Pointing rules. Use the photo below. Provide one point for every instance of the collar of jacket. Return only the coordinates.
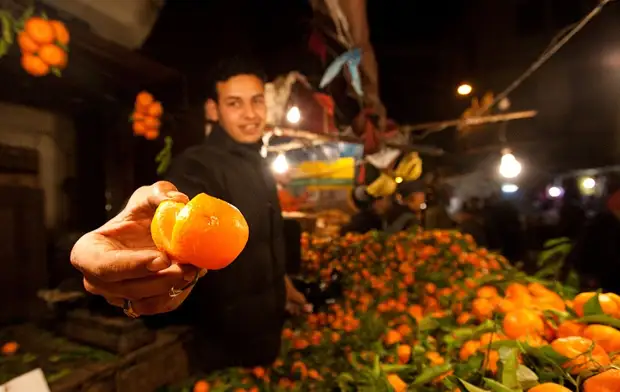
(220, 138)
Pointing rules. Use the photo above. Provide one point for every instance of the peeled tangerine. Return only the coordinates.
(206, 232)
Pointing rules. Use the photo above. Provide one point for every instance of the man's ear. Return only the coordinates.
(211, 111)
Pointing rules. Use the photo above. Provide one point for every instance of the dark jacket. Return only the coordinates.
(364, 221)
(400, 218)
(238, 311)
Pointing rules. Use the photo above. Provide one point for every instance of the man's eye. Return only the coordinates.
(259, 100)
(234, 104)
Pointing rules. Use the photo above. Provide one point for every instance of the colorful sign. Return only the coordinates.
(322, 175)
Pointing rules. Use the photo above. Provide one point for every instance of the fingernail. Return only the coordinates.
(176, 196)
(158, 264)
(189, 276)
(202, 273)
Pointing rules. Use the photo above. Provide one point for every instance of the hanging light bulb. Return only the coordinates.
(509, 166)
(293, 115)
(464, 89)
(280, 164)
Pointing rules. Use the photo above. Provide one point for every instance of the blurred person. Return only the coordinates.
(406, 210)
(596, 253)
(371, 214)
(238, 312)
(436, 215)
(469, 222)
(504, 230)
(572, 216)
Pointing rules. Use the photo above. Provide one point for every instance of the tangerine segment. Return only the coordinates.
(163, 224)
(206, 232)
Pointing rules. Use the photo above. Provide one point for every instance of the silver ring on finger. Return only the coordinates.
(176, 292)
(128, 309)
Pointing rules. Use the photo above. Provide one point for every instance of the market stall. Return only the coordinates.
(431, 311)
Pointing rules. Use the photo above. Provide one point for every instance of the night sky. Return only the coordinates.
(424, 50)
(191, 35)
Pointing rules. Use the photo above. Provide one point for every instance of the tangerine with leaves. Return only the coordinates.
(40, 30)
(607, 381)
(206, 232)
(61, 32)
(53, 56)
(549, 387)
(608, 305)
(605, 336)
(582, 354)
(34, 65)
(570, 328)
(26, 44)
(522, 322)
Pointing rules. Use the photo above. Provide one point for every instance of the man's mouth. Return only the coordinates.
(250, 128)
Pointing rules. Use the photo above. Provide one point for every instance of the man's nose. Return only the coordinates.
(249, 111)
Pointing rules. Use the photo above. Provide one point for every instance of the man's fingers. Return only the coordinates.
(163, 190)
(107, 264)
(135, 289)
(149, 306)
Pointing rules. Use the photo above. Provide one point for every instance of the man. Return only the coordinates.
(371, 215)
(237, 312)
(596, 254)
(406, 210)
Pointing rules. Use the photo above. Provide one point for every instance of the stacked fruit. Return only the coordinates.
(146, 117)
(44, 45)
(430, 311)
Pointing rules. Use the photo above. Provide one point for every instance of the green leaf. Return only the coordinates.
(376, 367)
(498, 387)
(502, 344)
(593, 307)
(546, 354)
(27, 358)
(27, 14)
(4, 47)
(58, 375)
(56, 72)
(429, 374)
(428, 323)
(527, 378)
(471, 388)
(510, 363)
(600, 319)
(7, 26)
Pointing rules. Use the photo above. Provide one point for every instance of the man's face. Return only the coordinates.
(415, 201)
(240, 108)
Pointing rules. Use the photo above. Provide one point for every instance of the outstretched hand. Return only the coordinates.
(120, 261)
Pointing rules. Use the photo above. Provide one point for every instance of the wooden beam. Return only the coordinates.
(441, 125)
(316, 137)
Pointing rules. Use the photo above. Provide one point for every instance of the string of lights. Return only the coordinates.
(547, 54)
(556, 44)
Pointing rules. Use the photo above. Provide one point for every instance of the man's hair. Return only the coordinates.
(231, 67)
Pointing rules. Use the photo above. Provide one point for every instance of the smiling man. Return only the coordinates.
(238, 312)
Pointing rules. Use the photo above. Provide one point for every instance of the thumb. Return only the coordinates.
(146, 199)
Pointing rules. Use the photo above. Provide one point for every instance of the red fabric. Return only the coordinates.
(326, 102)
(317, 46)
(361, 177)
(613, 203)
